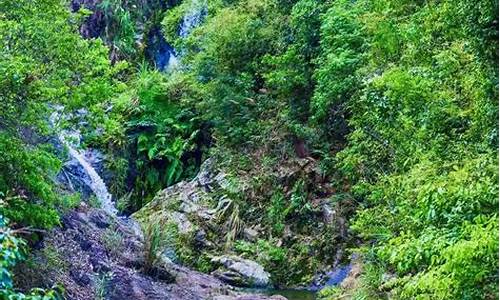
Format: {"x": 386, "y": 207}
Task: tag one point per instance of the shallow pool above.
{"x": 290, "y": 294}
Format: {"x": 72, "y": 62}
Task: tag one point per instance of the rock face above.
{"x": 214, "y": 212}
{"x": 95, "y": 24}
{"x": 185, "y": 198}
{"x": 250, "y": 234}
{"x": 98, "y": 256}
{"x": 241, "y": 272}
{"x": 189, "y": 205}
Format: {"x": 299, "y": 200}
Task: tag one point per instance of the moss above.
{"x": 331, "y": 292}
{"x": 288, "y": 266}
{"x": 171, "y": 24}
{"x": 204, "y": 264}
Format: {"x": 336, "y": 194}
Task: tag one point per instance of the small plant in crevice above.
{"x": 156, "y": 237}
{"x": 299, "y": 205}
{"x": 100, "y": 284}
{"x": 276, "y": 213}
{"x": 53, "y": 260}
{"x": 113, "y": 241}
{"x": 228, "y": 213}
{"x": 67, "y": 202}
{"x": 125, "y": 203}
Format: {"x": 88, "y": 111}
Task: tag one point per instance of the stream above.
{"x": 331, "y": 278}
{"x": 290, "y": 294}
{"x": 83, "y": 164}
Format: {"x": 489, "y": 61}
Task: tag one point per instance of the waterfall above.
{"x": 159, "y": 51}
{"x": 85, "y": 159}
{"x": 97, "y": 184}
{"x": 166, "y": 58}
{"x": 193, "y": 17}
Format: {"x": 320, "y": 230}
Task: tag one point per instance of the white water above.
{"x": 71, "y": 139}
{"x": 97, "y": 185}
{"x": 194, "y": 16}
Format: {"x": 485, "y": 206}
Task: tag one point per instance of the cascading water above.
{"x": 164, "y": 56}
{"x": 84, "y": 159}
{"x": 97, "y": 184}
{"x": 159, "y": 51}
{"x": 194, "y": 16}
{"x": 196, "y": 13}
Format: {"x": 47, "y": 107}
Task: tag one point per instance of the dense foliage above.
{"x": 412, "y": 87}
{"x": 423, "y": 150}
{"x": 393, "y": 102}
{"x": 155, "y": 139}
{"x": 11, "y": 251}
{"x": 44, "y": 62}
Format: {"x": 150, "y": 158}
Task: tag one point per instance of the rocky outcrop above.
{"x": 188, "y": 205}
{"x": 217, "y": 213}
{"x": 98, "y": 256}
{"x": 241, "y": 272}
{"x": 187, "y": 198}
{"x": 94, "y": 25}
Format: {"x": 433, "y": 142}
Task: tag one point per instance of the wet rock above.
{"x": 101, "y": 219}
{"x": 98, "y": 265}
{"x": 72, "y": 220}
{"x": 200, "y": 239}
{"x": 85, "y": 245}
{"x": 79, "y": 277}
{"x": 242, "y": 272}
{"x": 127, "y": 285}
{"x": 328, "y": 213}
{"x": 231, "y": 277}
{"x": 163, "y": 274}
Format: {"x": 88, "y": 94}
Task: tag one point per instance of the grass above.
{"x": 156, "y": 239}
{"x": 113, "y": 241}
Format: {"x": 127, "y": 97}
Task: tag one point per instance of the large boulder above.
{"x": 240, "y": 272}
{"x": 184, "y": 200}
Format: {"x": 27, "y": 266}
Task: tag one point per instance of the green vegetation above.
{"x": 158, "y": 135}
{"x": 113, "y": 241}
{"x": 44, "y": 63}
{"x": 155, "y": 238}
{"x": 11, "y": 251}
{"x": 383, "y": 111}
{"x": 408, "y": 90}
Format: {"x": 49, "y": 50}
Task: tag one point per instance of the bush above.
{"x": 11, "y": 251}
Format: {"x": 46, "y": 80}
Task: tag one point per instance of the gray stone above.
{"x": 182, "y": 222}
{"x": 239, "y": 271}
{"x": 250, "y": 234}
{"x": 328, "y": 213}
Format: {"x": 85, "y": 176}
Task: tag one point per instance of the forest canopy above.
{"x": 395, "y": 100}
